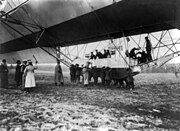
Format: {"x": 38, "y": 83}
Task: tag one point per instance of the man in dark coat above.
{"x": 92, "y": 56}
{"x": 99, "y": 55}
{"x": 148, "y": 48}
{"x": 18, "y": 74}
{"x": 103, "y": 75}
{"x": 95, "y": 74}
{"x": 4, "y": 74}
{"x": 108, "y": 54}
{"x": 72, "y": 72}
{"x": 105, "y": 55}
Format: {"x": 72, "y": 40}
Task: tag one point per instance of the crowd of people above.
{"x": 25, "y": 79}
{"x": 99, "y": 55}
{"x": 85, "y": 74}
{"x": 24, "y": 75}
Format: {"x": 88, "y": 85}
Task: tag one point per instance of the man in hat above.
{"x": 18, "y": 74}
{"x": 59, "y": 80}
{"x": 103, "y": 75}
{"x": 4, "y": 74}
{"x": 105, "y": 55}
{"x": 99, "y": 55}
{"x": 92, "y": 56}
{"x": 148, "y": 48}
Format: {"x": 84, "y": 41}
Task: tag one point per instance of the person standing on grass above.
{"x": 130, "y": 80}
{"x": 4, "y": 74}
{"x": 103, "y": 75}
{"x": 86, "y": 74}
{"x": 95, "y": 74}
{"x": 18, "y": 74}
{"x": 72, "y": 76}
{"x": 107, "y": 76}
{"x": 23, "y": 66}
{"x": 77, "y": 74}
{"x": 59, "y": 80}
{"x": 29, "y": 76}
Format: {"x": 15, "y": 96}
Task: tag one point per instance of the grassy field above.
{"x": 153, "y": 106}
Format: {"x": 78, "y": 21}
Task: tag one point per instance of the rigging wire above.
{"x": 73, "y": 49}
{"x": 172, "y": 40}
{"x": 136, "y": 42}
{"x": 159, "y": 44}
{"x": 164, "y": 33}
{"x": 104, "y": 47}
{"x": 139, "y": 40}
{"x": 162, "y": 42}
{"x": 68, "y": 52}
{"x": 82, "y": 48}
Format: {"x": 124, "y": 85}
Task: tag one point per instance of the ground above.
{"x": 153, "y": 106}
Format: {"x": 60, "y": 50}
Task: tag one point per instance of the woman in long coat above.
{"x": 29, "y": 76}
{"x": 4, "y": 74}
